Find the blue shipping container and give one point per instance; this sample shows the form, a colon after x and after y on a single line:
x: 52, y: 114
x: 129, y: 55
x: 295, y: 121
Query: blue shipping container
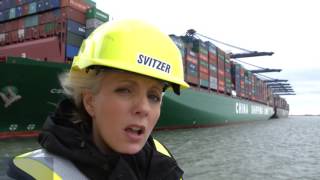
x: 54, y: 3
x: 192, y: 66
x: 18, y: 11
x: 1, y: 16
x: 76, y: 28
x: 40, y: 6
x: 7, y: 4
x: 71, y: 51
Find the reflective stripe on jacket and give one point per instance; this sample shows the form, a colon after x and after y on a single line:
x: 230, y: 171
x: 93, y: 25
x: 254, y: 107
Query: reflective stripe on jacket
x: 40, y: 164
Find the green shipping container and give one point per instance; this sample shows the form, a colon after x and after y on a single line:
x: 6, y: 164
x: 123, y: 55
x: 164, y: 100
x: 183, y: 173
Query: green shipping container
x: 31, y: 21
x: 212, y: 68
x: 49, y: 27
x: 204, y: 83
x: 12, y: 13
x: 204, y: 63
x: 98, y: 14
x: 32, y: 8
x: 74, y: 39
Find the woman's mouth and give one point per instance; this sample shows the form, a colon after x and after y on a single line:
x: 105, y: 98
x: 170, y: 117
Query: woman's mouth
x: 135, y: 132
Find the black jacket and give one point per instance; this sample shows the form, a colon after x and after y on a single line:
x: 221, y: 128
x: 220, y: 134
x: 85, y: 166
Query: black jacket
x: 73, y: 141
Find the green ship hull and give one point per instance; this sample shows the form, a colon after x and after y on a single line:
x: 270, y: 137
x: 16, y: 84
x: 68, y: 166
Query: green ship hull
x: 30, y: 91
x: 196, y: 108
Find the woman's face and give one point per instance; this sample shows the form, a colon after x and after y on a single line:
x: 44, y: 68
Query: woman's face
x: 124, y: 111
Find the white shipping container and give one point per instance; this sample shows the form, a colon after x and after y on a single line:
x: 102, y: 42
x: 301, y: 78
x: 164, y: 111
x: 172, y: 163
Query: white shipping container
x: 2, y: 37
x: 213, y: 82
x: 93, y: 23
x: 21, y: 33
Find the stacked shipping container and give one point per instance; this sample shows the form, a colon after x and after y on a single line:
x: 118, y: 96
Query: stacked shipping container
x: 221, y: 70
x: 58, y: 26
x: 236, y: 77
x: 212, y: 59
x: 202, y: 53
x: 208, y: 67
x: 228, y: 82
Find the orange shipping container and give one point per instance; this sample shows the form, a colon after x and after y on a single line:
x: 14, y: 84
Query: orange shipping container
x: 76, y: 4
x: 204, y: 70
x: 191, y: 59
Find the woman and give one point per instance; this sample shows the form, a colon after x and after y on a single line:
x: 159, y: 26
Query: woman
x: 114, y: 89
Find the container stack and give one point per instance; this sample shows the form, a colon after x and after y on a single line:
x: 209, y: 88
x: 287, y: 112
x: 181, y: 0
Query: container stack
x: 202, y: 52
x: 236, y: 77
x: 208, y: 67
x: 29, y: 26
x: 94, y: 18
x: 242, y: 82
x: 264, y: 93
x: 254, y: 87
x: 228, y: 82
x: 248, y: 84
x: 191, y: 63
x: 280, y: 102
x: 212, y: 59
x: 259, y: 90
x: 221, y: 70
x: 192, y: 67
x: 179, y: 43
x: 269, y: 96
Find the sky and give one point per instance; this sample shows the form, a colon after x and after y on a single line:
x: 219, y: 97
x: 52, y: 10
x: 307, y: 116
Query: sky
x: 290, y: 29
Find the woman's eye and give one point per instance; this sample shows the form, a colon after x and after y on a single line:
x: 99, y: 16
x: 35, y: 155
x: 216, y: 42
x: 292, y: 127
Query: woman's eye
x: 123, y: 90
x: 154, y: 98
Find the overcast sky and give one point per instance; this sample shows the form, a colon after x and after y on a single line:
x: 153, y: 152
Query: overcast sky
x: 290, y: 29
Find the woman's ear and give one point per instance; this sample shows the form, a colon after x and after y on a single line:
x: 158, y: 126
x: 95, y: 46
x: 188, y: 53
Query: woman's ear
x: 88, y: 102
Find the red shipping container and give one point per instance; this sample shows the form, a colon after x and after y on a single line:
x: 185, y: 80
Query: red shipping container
x: 73, y: 14
x: 203, y: 57
x: 41, y: 30
x: 192, y: 79
x: 204, y: 76
x: 19, y: 2
x: 13, y: 36
x: 191, y: 59
x: 204, y: 70
x: 2, y: 27
x: 212, y: 56
x: 3, y: 38
x: 213, y: 61
x: 49, y: 48
x: 14, y: 25
x: 31, y: 33
x: 221, y: 88
x: 21, y: 23
x: 76, y: 4
x: 47, y: 17
x: 221, y: 72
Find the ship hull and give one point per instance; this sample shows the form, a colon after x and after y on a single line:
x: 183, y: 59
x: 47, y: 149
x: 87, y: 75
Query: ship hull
x: 195, y: 108
x: 280, y: 113
x: 30, y: 91
x: 37, y: 92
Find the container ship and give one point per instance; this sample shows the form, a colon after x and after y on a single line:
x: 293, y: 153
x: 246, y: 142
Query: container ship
x: 39, y: 38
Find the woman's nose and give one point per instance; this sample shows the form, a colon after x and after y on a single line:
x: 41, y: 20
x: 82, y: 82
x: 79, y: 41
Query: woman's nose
x: 142, y: 106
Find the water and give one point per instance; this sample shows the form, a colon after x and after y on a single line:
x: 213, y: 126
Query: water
x: 275, y: 149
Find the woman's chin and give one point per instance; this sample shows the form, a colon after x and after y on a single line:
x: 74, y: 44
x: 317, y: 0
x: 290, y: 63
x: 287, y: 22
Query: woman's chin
x: 131, y: 149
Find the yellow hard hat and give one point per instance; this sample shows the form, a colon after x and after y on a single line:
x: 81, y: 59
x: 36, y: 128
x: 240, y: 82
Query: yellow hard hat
x: 134, y: 46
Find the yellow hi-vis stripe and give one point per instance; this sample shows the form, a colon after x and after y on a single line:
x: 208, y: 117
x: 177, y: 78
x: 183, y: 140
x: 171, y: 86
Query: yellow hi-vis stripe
x: 36, y: 169
x: 161, y: 148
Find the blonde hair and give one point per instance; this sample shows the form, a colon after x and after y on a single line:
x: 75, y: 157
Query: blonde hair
x: 76, y: 82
